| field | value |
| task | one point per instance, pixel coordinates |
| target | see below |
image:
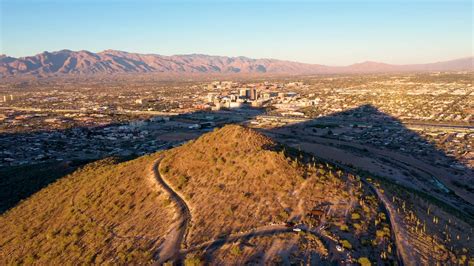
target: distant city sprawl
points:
(100, 119)
(386, 162)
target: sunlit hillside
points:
(230, 196)
(106, 212)
(236, 180)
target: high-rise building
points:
(253, 94)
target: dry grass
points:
(236, 179)
(267, 250)
(439, 237)
(233, 179)
(104, 212)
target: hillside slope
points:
(236, 180)
(245, 194)
(103, 213)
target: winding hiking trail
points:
(170, 249)
(171, 246)
(403, 247)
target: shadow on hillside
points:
(38, 161)
(375, 142)
(31, 161)
(380, 142)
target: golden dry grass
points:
(267, 250)
(440, 237)
(104, 212)
(235, 179)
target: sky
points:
(320, 32)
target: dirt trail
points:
(444, 176)
(269, 230)
(171, 246)
(403, 245)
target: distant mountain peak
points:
(67, 62)
(370, 63)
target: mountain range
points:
(66, 62)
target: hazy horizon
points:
(316, 32)
(236, 56)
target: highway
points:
(307, 142)
(389, 124)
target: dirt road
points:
(403, 245)
(170, 248)
(315, 143)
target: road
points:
(404, 249)
(306, 142)
(409, 124)
(260, 231)
(171, 246)
(40, 110)
(270, 230)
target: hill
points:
(230, 196)
(66, 62)
(235, 180)
(105, 212)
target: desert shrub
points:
(355, 216)
(385, 232)
(235, 250)
(346, 244)
(182, 181)
(80, 215)
(192, 261)
(364, 261)
(284, 215)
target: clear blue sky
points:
(326, 32)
